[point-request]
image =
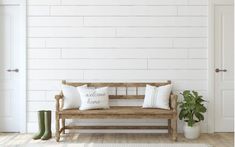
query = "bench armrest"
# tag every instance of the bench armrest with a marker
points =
(58, 98)
(173, 99)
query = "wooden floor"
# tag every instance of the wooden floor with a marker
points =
(217, 139)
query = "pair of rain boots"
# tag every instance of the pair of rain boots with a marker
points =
(44, 125)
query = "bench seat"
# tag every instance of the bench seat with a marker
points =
(118, 110)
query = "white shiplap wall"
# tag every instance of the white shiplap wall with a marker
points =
(114, 40)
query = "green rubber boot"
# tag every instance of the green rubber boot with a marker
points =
(41, 125)
(47, 120)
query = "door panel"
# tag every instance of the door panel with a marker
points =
(224, 59)
(9, 55)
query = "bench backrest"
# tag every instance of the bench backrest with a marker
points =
(115, 86)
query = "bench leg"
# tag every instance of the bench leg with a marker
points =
(169, 127)
(63, 125)
(174, 128)
(57, 135)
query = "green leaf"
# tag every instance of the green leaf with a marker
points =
(182, 114)
(195, 93)
(186, 92)
(199, 116)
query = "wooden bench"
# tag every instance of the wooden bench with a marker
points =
(118, 112)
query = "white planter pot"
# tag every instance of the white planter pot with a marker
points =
(192, 132)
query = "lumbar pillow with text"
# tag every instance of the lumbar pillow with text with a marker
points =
(71, 97)
(94, 98)
(157, 97)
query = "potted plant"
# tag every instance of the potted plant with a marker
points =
(192, 109)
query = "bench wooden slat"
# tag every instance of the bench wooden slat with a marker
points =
(116, 84)
(118, 110)
(117, 116)
(126, 96)
(116, 127)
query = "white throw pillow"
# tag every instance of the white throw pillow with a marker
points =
(71, 97)
(94, 98)
(157, 97)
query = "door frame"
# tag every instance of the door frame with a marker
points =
(22, 4)
(23, 65)
(211, 61)
(211, 67)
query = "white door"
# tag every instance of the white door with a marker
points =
(9, 63)
(224, 72)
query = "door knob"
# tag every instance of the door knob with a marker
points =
(220, 70)
(13, 70)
